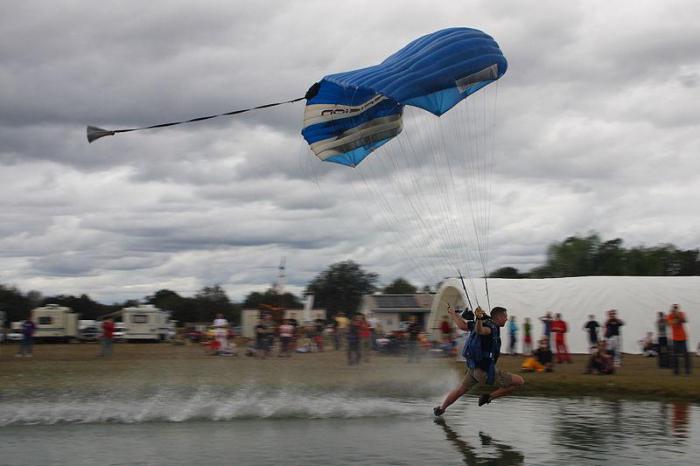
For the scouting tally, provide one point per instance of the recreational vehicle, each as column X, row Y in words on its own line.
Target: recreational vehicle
column 54, row 322
column 145, row 322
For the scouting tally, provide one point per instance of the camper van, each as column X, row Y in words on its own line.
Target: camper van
column 54, row 322
column 145, row 322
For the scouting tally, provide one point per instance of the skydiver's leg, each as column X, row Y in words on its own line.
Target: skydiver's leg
column 467, row 383
column 507, row 382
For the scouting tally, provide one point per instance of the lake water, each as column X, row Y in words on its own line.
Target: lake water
column 249, row 426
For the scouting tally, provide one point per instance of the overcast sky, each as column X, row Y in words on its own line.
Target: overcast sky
column 596, row 128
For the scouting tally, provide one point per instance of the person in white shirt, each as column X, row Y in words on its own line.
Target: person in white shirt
column 221, row 332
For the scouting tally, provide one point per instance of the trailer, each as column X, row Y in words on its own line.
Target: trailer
column 145, row 323
column 54, row 322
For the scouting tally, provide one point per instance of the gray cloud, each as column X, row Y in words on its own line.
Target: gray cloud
column 596, row 130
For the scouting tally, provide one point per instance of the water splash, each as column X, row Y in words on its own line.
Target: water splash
column 203, row 403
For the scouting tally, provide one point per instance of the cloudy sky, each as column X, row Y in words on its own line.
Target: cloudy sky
column 596, row 128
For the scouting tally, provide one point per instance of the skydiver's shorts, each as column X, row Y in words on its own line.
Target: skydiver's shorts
column 478, row 376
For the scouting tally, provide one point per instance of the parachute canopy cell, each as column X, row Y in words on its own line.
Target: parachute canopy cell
column 348, row 115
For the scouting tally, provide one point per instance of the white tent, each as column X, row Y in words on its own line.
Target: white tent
column 637, row 300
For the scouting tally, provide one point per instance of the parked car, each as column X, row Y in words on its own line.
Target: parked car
column 119, row 332
column 91, row 333
column 13, row 336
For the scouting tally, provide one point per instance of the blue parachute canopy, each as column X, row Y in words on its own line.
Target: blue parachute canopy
column 350, row 114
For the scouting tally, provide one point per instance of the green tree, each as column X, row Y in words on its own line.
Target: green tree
column 272, row 298
column 15, row 304
column 83, row 305
column 340, row 287
column 399, row 286
column 211, row 300
column 506, row 272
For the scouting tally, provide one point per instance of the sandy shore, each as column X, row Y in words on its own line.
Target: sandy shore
column 77, row 368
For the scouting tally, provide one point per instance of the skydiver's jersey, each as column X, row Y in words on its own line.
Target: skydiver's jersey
column 487, row 345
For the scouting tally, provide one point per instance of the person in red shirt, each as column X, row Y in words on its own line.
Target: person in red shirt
column 365, row 337
column 559, row 328
column 676, row 319
column 107, row 337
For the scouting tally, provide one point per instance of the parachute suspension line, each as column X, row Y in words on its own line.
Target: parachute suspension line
column 466, row 293
column 491, row 152
column 94, row 133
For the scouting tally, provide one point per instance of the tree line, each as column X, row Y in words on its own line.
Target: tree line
column 341, row 286
column 590, row 255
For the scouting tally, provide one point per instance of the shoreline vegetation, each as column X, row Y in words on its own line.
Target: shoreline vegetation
column 76, row 369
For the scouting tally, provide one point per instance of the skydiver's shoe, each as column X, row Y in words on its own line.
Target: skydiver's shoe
column 484, row 399
column 438, row 411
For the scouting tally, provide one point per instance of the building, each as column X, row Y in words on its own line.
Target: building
column 636, row 299
column 391, row 309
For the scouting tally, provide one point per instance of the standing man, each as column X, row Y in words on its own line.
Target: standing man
column 559, row 328
column 413, row 330
column 286, row 333
column 592, row 328
column 26, row 346
column 221, row 332
column 547, row 327
column 662, row 340
column 481, row 369
column 527, row 336
column 107, row 337
column 341, row 329
column 612, row 335
column 676, row 319
column 513, row 335
column 353, row 337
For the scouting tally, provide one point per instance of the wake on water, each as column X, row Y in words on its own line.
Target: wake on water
column 203, row 403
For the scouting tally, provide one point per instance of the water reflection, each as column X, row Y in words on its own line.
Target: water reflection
column 679, row 419
column 507, row 455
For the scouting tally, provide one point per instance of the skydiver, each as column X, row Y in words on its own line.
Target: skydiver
column 481, row 369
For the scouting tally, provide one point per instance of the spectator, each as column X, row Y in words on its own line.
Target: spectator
column 547, row 326
column 414, row 328
column 446, row 330
column 221, row 332
column 342, row 323
column 676, row 319
column 107, row 337
column 600, row 361
column 318, row 334
column 286, row 334
column 559, row 328
column 649, row 349
column 373, row 328
column 513, row 335
column 541, row 359
column 662, row 340
column 353, row 337
column 612, row 336
column 26, row 345
column 261, row 340
column 365, row 337
column 527, row 336
column 592, row 328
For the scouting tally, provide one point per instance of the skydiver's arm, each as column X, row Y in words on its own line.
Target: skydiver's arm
column 459, row 322
column 481, row 329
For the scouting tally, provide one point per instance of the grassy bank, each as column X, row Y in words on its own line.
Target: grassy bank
column 76, row 368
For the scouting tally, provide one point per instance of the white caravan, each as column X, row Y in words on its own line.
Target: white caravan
column 55, row 322
column 145, row 322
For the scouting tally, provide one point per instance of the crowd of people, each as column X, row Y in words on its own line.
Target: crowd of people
column 358, row 336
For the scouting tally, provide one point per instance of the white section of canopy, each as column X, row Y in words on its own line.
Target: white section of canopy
column 637, row 300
